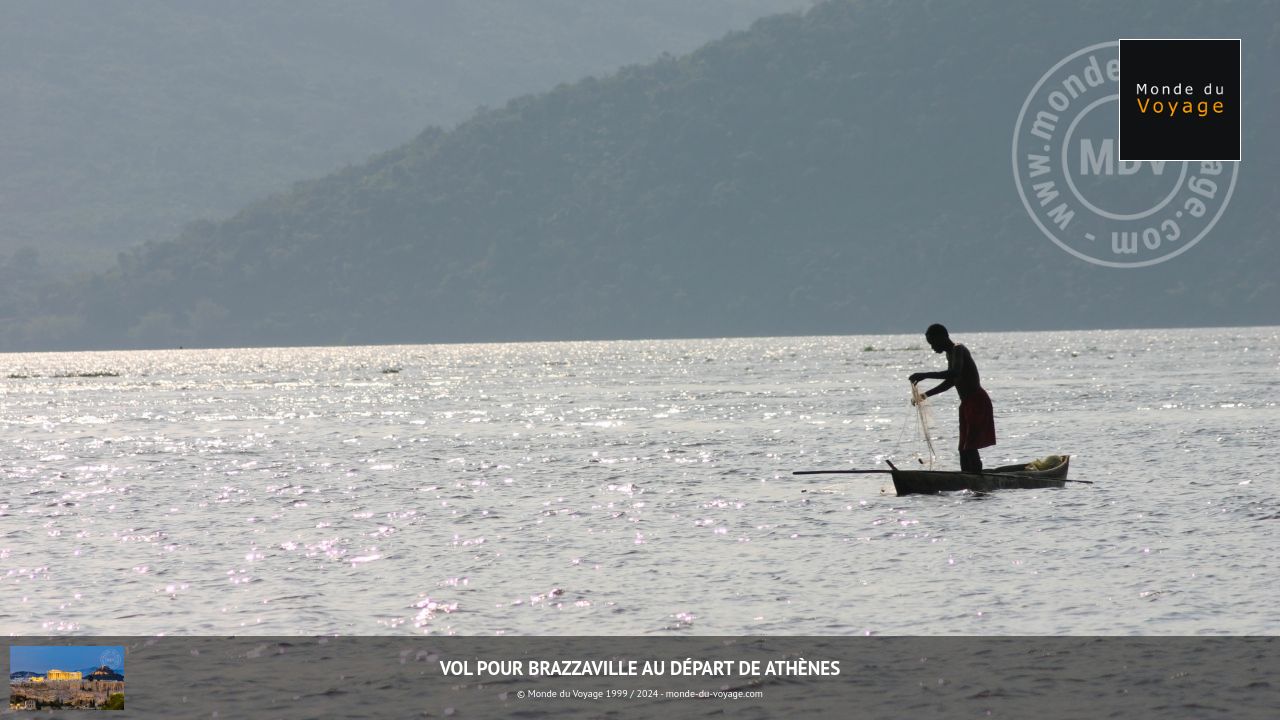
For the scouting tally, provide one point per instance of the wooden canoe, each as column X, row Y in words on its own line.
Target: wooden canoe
column 1008, row 477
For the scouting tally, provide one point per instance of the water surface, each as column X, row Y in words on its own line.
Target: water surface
column 636, row 487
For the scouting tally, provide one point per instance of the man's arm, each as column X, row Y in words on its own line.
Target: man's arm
column 955, row 362
column 941, row 388
column 917, row 377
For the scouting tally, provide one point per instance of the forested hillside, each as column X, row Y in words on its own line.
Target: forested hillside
column 842, row 171
column 124, row 121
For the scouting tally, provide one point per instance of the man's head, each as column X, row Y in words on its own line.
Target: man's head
column 938, row 338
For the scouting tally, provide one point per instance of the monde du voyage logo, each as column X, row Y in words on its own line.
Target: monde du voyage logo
column 1082, row 196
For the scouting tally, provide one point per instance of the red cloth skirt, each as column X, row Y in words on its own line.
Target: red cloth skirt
column 977, row 421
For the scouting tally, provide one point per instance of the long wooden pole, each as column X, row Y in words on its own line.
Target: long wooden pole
column 840, row 472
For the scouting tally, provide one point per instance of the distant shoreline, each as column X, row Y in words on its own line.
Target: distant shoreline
column 569, row 341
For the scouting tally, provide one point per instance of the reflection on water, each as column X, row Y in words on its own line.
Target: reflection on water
column 635, row 487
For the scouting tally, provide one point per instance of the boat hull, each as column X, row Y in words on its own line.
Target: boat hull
column 1009, row 477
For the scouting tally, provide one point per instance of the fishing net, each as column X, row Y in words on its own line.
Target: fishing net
column 924, row 420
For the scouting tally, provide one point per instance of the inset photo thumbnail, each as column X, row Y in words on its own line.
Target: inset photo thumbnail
column 76, row 677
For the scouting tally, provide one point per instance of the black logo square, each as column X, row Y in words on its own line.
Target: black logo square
column 1179, row 100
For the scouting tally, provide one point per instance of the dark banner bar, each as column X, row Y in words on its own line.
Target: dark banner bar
column 638, row 677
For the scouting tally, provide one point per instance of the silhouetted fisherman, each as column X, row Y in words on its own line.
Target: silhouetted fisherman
column 977, row 421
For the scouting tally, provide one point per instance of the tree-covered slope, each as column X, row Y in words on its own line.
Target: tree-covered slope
column 842, row 171
column 123, row 121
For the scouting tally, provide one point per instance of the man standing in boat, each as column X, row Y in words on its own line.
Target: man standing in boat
column 977, row 421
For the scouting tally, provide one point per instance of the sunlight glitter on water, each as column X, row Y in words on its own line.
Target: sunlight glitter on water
column 311, row 491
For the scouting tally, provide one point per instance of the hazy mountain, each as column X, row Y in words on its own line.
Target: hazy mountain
column 842, row 171
column 123, row 121
column 102, row 672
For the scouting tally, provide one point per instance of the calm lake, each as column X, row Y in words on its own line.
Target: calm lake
column 639, row 487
